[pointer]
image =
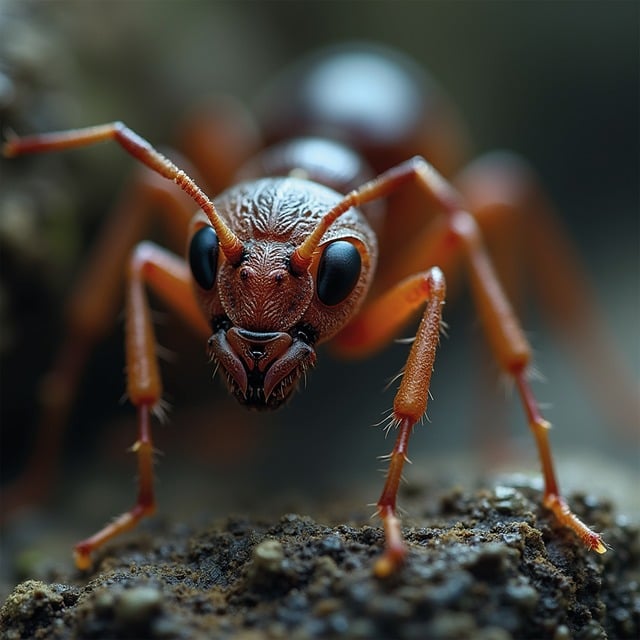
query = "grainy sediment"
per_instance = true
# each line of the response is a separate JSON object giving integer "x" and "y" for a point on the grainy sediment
{"x": 487, "y": 564}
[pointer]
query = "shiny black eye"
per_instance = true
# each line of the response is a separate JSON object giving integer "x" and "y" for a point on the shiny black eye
{"x": 338, "y": 272}
{"x": 203, "y": 257}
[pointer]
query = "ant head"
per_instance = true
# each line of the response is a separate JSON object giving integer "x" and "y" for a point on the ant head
{"x": 267, "y": 314}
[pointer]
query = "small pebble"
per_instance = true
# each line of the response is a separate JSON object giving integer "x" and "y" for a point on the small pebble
{"x": 268, "y": 556}
{"x": 562, "y": 633}
{"x": 138, "y": 605}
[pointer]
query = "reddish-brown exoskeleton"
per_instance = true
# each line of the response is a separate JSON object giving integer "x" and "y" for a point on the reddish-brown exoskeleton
{"x": 283, "y": 261}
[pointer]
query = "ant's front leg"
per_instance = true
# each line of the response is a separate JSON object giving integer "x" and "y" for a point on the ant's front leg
{"x": 375, "y": 324}
{"x": 168, "y": 276}
{"x": 90, "y": 312}
{"x": 410, "y": 402}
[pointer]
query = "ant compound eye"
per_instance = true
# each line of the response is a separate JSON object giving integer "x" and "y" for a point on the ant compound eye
{"x": 203, "y": 257}
{"x": 338, "y": 272}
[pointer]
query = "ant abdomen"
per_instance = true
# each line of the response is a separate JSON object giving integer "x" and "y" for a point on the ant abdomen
{"x": 375, "y": 100}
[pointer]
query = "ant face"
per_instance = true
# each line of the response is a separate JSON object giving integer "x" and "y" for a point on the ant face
{"x": 266, "y": 318}
{"x": 258, "y": 343}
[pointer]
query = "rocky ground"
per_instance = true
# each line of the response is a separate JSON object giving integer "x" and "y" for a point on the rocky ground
{"x": 485, "y": 564}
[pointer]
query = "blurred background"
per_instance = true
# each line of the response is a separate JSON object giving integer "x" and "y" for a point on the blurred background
{"x": 555, "y": 82}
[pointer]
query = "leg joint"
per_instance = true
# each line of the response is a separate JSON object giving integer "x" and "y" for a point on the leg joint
{"x": 142, "y": 255}
{"x": 466, "y": 230}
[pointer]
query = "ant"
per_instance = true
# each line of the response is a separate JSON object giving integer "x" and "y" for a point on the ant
{"x": 286, "y": 257}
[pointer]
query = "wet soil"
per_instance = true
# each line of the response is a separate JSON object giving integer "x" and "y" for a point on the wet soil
{"x": 486, "y": 564}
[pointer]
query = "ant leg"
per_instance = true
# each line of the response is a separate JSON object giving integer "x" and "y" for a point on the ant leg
{"x": 376, "y": 323}
{"x": 462, "y": 236}
{"x": 410, "y": 402}
{"x": 89, "y": 315}
{"x": 145, "y": 503}
{"x": 514, "y": 355}
{"x": 168, "y": 276}
{"x": 508, "y": 201}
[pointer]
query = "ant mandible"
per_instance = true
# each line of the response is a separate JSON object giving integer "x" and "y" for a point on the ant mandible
{"x": 283, "y": 261}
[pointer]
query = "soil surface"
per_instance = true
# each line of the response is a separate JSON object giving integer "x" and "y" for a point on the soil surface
{"x": 486, "y": 564}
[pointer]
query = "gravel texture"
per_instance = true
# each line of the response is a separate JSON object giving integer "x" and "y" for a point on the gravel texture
{"x": 486, "y": 564}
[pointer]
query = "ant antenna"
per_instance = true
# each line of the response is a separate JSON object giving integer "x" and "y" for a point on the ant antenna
{"x": 139, "y": 148}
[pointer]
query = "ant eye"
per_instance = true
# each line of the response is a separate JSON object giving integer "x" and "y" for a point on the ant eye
{"x": 203, "y": 257}
{"x": 338, "y": 272}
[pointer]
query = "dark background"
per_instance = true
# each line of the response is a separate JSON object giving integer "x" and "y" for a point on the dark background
{"x": 556, "y": 82}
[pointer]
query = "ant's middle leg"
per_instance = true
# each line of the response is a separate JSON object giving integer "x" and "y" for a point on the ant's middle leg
{"x": 525, "y": 236}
